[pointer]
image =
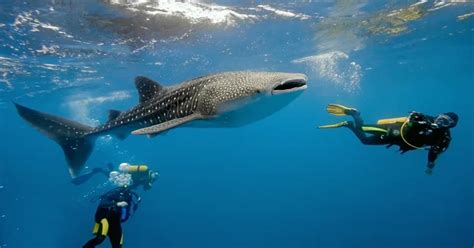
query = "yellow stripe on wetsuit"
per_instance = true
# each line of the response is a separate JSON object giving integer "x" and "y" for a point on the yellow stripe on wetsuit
{"x": 373, "y": 129}
{"x": 105, "y": 227}
{"x": 96, "y": 228}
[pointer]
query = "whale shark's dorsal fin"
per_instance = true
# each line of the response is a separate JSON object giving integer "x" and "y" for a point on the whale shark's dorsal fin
{"x": 147, "y": 88}
{"x": 113, "y": 114}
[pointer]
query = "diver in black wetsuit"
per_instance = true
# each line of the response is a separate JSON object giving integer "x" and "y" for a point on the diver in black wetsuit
{"x": 417, "y": 131}
{"x": 115, "y": 207}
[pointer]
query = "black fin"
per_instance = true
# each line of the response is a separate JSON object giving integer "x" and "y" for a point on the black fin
{"x": 147, "y": 88}
{"x": 113, "y": 114}
{"x": 70, "y": 135}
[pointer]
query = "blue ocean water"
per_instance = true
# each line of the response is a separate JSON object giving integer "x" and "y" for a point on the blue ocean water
{"x": 279, "y": 182}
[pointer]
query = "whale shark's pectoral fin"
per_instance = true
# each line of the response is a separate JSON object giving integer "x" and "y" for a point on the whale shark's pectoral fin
{"x": 159, "y": 128}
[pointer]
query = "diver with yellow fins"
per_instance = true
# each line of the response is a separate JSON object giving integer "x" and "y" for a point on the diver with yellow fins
{"x": 416, "y": 131}
{"x": 115, "y": 207}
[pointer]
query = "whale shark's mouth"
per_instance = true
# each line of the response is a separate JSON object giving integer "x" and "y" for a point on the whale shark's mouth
{"x": 290, "y": 85}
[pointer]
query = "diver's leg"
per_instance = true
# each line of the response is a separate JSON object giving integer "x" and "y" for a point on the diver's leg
{"x": 358, "y": 121}
{"x": 98, "y": 239}
{"x": 373, "y": 139}
{"x": 356, "y": 128}
{"x": 115, "y": 235}
{"x": 95, "y": 241}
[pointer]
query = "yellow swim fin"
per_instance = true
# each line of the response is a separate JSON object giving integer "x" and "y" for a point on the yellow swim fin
{"x": 340, "y": 124}
{"x": 340, "y": 110}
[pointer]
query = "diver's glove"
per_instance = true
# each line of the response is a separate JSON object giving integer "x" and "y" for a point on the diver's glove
{"x": 122, "y": 204}
{"x": 429, "y": 169}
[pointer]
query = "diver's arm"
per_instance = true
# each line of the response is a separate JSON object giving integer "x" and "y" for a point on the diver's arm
{"x": 436, "y": 150}
{"x": 135, "y": 201}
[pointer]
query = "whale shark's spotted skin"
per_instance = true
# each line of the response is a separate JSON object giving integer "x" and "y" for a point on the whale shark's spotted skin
{"x": 163, "y": 108}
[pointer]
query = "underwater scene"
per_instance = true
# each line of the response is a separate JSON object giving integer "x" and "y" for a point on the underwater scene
{"x": 239, "y": 124}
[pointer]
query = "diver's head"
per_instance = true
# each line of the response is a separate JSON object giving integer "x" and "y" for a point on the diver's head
{"x": 447, "y": 120}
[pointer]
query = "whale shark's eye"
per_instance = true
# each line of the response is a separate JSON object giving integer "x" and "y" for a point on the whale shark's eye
{"x": 257, "y": 92}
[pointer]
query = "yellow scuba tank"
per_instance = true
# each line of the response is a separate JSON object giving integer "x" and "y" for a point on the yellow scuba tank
{"x": 400, "y": 120}
{"x": 137, "y": 168}
{"x": 125, "y": 167}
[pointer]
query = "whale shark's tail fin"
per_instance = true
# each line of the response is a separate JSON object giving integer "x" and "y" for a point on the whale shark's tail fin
{"x": 70, "y": 135}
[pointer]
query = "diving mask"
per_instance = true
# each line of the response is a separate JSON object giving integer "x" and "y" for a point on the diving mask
{"x": 445, "y": 121}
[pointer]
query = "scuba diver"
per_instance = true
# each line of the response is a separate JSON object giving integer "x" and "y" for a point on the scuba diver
{"x": 140, "y": 175}
{"x": 417, "y": 131}
{"x": 115, "y": 207}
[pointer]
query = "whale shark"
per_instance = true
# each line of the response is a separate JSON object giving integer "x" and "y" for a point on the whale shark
{"x": 227, "y": 99}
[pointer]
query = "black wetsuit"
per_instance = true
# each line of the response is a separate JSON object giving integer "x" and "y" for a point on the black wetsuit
{"x": 419, "y": 132}
{"x": 109, "y": 216}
